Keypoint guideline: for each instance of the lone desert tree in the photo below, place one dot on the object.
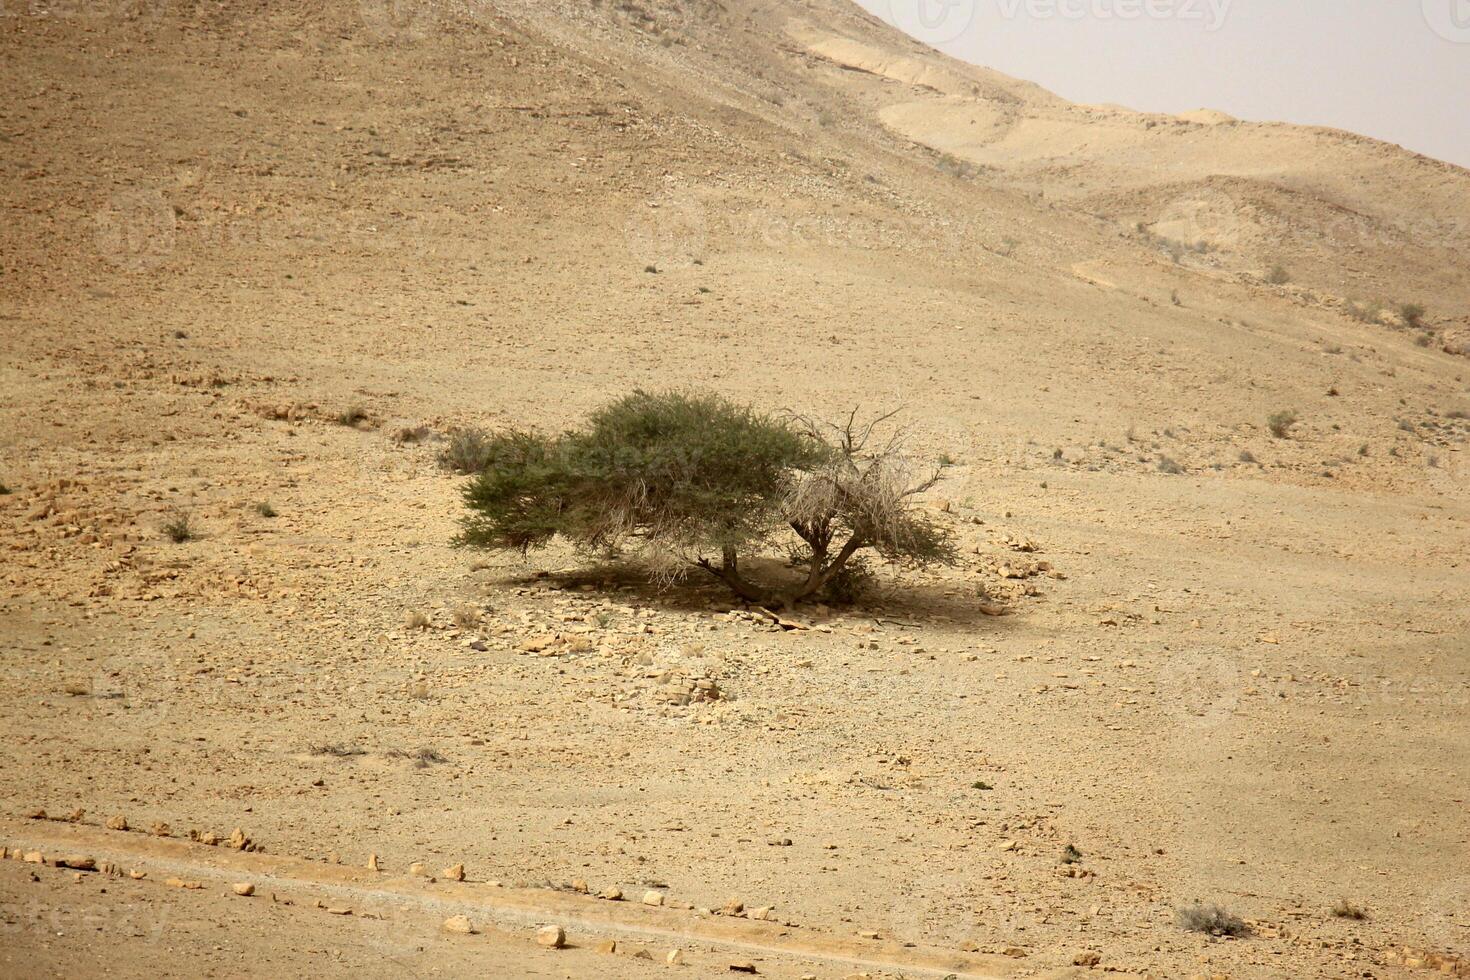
(690, 482)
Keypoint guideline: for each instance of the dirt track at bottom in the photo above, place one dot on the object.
(405, 910)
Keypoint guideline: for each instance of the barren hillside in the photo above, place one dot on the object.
(1233, 669)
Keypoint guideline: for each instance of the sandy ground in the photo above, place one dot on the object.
(1240, 678)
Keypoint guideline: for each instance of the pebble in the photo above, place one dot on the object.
(552, 937)
(243, 888)
(460, 925)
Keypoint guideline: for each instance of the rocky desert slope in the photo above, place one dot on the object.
(259, 257)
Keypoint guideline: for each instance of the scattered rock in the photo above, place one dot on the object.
(552, 937)
(675, 957)
(733, 907)
(183, 883)
(372, 863)
(612, 894)
(77, 862)
(243, 888)
(608, 946)
(454, 872)
(160, 829)
(460, 925)
(743, 966)
(417, 870)
(36, 814)
(1086, 959)
(338, 910)
(653, 898)
(761, 912)
(579, 885)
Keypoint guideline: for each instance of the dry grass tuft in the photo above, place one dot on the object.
(178, 529)
(1210, 919)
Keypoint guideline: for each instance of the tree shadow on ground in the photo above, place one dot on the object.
(894, 601)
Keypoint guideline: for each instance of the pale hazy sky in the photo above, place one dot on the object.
(1397, 70)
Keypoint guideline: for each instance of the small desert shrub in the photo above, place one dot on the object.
(415, 620)
(353, 416)
(1364, 311)
(264, 509)
(409, 435)
(1211, 919)
(178, 529)
(1281, 423)
(1278, 276)
(1412, 313)
(1246, 456)
(1347, 910)
(1174, 298)
(421, 758)
(4, 490)
(466, 617)
(340, 750)
(696, 482)
(1424, 339)
(468, 451)
(1070, 855)
(1167, 465)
